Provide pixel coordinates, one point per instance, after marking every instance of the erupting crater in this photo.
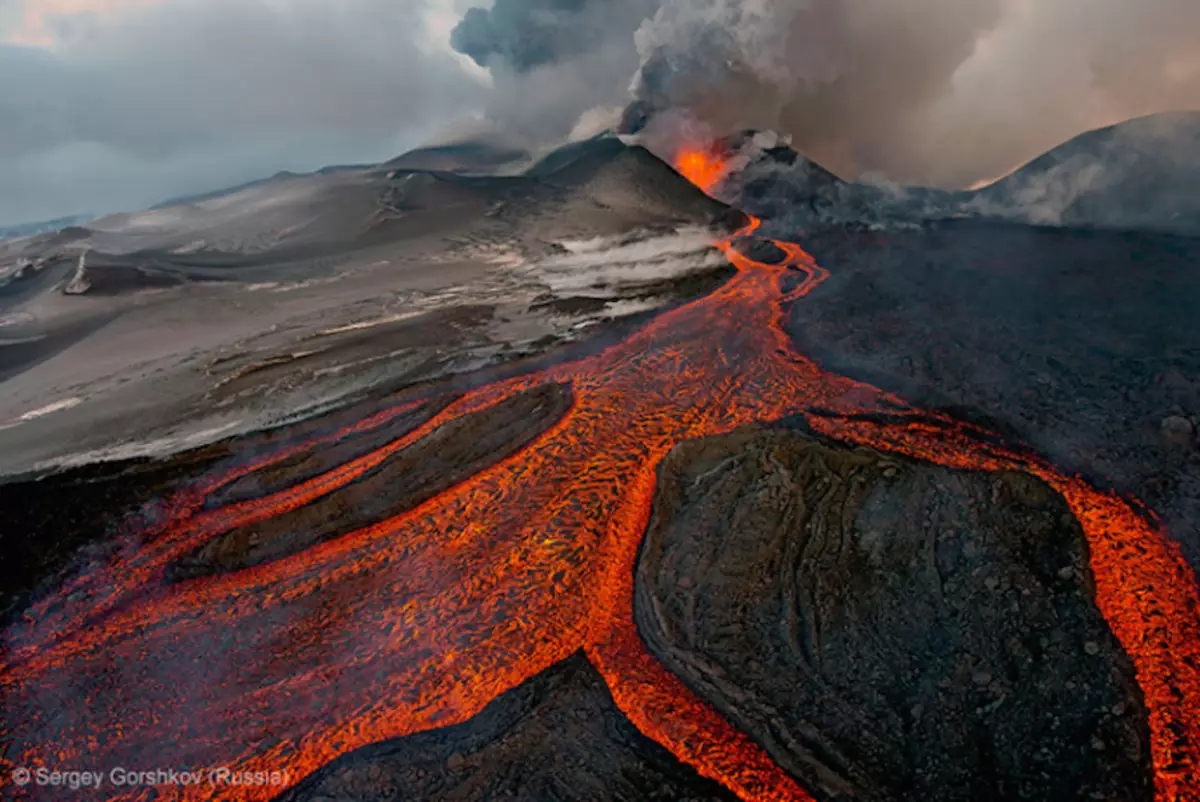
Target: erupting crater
(420, 616)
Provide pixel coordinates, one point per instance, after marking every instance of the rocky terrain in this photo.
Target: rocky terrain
(557, 737)
(1138, 175)
(154, 332)
(886, 629)
(1076, 343)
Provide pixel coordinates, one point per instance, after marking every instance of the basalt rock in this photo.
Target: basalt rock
(310, 463)
(888, 629)
(559, 736)
(448, 455)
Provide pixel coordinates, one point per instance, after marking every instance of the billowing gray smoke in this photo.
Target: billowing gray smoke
(553, 60)
(944, 92)
(850, 80)
(525, 34)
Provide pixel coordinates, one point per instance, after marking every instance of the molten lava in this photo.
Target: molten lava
(704, 168)
(419, 621)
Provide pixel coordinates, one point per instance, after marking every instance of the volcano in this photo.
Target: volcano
(287, 297)
(737, 543)
(1137, 175)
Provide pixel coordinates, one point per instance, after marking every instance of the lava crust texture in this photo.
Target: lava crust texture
(558, 736)
(450, 454)
(890, 629)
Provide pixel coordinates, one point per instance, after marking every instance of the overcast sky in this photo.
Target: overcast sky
(119, 104)
(112, 105)
(942, 92)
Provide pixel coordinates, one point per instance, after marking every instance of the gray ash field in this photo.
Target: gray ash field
(349, 451)
(150, 332)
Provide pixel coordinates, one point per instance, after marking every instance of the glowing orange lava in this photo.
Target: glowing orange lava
(703, 168)
(420, 621)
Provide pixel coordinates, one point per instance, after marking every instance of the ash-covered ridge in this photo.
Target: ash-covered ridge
(1140, 175)
(151, 332)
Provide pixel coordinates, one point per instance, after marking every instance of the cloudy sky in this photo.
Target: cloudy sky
(109, 105)
(119, 104)
(942, 92)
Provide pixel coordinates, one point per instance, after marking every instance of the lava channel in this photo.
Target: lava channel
(419, 621)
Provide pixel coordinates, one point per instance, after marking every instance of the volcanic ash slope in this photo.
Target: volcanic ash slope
(150, 333)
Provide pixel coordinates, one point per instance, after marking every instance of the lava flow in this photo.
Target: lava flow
(703, 168)
(421, 620)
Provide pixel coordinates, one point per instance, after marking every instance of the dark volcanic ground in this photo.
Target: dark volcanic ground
(1081, 344)
(452, 453)
(559, 736)
(888, 629)
(885, 629)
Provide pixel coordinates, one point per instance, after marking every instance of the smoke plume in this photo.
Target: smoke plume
(940, 92)
(554, 63)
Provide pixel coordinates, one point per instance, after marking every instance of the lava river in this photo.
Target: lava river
(419, 621)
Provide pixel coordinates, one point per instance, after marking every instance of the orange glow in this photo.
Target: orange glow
(419, 621)
(39, 17)
(703, 168)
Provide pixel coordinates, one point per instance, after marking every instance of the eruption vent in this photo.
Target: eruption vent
(703, 168)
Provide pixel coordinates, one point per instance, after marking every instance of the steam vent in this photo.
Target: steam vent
(660, 462)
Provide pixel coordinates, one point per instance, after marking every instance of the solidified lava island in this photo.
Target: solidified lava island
(676, 560)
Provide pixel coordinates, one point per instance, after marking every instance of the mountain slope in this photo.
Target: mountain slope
(1140, 174)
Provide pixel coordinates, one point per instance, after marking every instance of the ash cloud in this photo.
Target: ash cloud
(938, 92)
(138, 100)
(556, 65)
(850, 80)
(525, 33)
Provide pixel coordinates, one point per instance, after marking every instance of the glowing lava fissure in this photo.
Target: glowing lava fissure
(703, 167)
(419, 621)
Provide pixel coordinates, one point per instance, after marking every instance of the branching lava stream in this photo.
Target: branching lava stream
(418, 622)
